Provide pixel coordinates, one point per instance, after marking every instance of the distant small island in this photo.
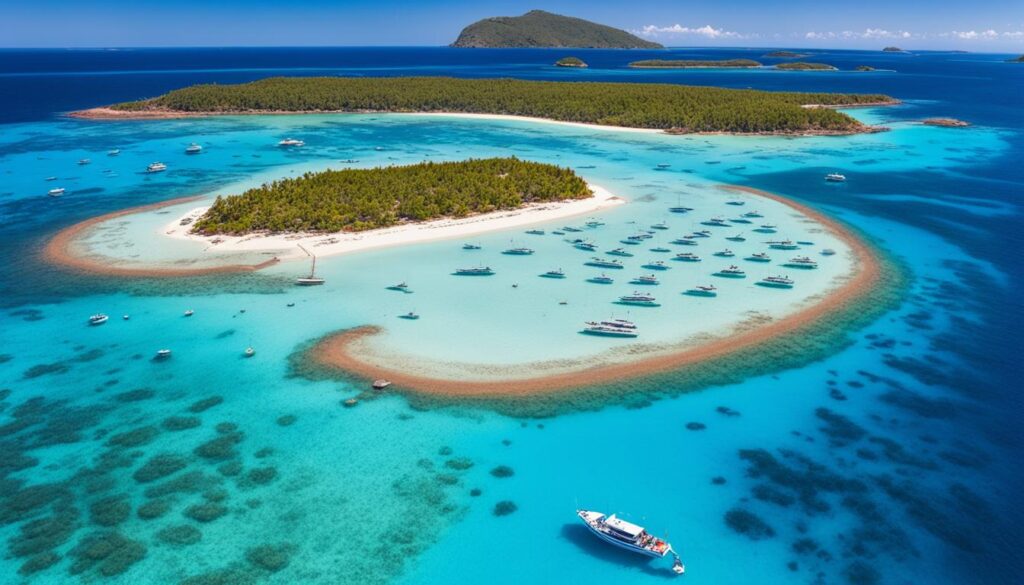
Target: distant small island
(864, 68)
(893, 50)
(802, 66)
(365, 199)
(692, 64)
(538, 28)
(1016, 60)
(786, 54)
(570, 62)
(946, 122)
(679, 109)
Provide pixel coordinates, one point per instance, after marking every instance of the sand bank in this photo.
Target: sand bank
(348, 351)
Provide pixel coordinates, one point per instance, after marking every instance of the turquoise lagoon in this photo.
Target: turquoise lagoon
(849, 469)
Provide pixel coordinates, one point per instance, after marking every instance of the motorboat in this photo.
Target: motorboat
(783, 245)
(162, 354)
(535, 232)
(84, 161)
(656, 265)
(603, 263)
(98, 319)
(776, 282)
(518, 252)
(680, 209)
(593, 328)
(660, 226)
(731, 272)
(193, 149)
(835, 178)
(470, 247)
(625, 535)
(660, 249)
(759, 257)
(727, 253)
(410, 316)
(702, 291)
(619, 252)
(157, 167)
(603, 279)
(737, 238)
(114, 152)
(828, 252)
(647, 280)
(56, 192)
(189, 312)
(587, 246)
(687, 257)
(400, 287)
(479, 271)
(291, 142)
(715, 222)
(641, 299)
(249, 352)
(554, 274)
(803, 262)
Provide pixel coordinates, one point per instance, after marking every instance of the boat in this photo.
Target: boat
(701, 234)
(470, 247)
(400, 287)
(620, 323)
(518, 252)
(312, 279)
(776, 282)
(588, 246)
(731, 272)
(189, 312)
(193, 149)
(641, 299)
(660, 249)
(715, 222)
(803, 262)
(625, 535)
(656, 265)
(571, 229)
(752, 214)
(56, 192)
(594, 223)
(157, 167)
(126, 317)
(649, 280)
(249, 352)
(739, 220)
(162, 354)
(680, 209)
(767, 228)
(759, 257)
(84, 161)
(726, 253)
(381, 384)
(289, 142)
(736, 203)
(603, 263)
(737, 238)
(553, 274)
(660, 226)
(479, 271)
(783, 245)
(687, 257)
(603, 279)
(558, 232)
(98, 319)
(592, 328)
(835, 178)
(685, 241)
(619, 252)
(662, 166)
(114, 152)
(631, 241)
(828, 252)
(410, 316)
(535, 232)
(48, 179)
(702, 291)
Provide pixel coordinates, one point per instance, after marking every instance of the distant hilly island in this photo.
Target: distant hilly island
(539, 29)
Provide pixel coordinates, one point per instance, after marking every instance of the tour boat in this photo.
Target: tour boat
(56, 192)
(603, 279)
(645, 280)
(660, 226)
(602, 263)
(801, 262)
(620, 323)
(189, 312)
(156, 167)
(759, 257)
(626, 535)
(554, 274)
(656, 265)
(606, 331)
(410, 316)
(84, 161)
(470, 247)
(249, 352)
(588, 246)
(312, 279)
(638, 298)
(114, 152)
(660, 249)
(619, 252)
(480, 271)
(783, 245)
(162, 354)
(193, 149)
(291, 142)
(835, 178)
(535, 232)
(685, 241)
(776, 282)
(752, 214)
(518, 252)
(736, 203)
(731, 272)
(828, 252)
(727, 253)
(680, 209)
(737, 238)
(715, 222)
(702, 291)
(98, 319)
(401, 287)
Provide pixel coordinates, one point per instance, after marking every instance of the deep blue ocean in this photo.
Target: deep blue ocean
(895, 458)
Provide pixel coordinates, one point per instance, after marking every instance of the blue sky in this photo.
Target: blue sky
(986, 25)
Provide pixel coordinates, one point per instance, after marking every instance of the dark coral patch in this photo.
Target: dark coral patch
(205, 404)
(504, 508)
(181, 423)
(206, 512)
(503, 471)
(748, 524)
(180, 535)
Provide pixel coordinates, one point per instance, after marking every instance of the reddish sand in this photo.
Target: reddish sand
(58, 250)
(332, 352)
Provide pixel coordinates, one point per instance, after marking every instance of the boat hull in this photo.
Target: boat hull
(625, 546)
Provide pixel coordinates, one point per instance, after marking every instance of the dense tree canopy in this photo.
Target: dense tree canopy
(690, 63)
(801, 66)
(570, 62)
(638, 105)
(362, 199)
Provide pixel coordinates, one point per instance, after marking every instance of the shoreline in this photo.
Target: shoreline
(107, 114)
(59, 249)
(331, 352)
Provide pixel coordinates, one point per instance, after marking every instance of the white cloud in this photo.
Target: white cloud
(868, 33)
(973, 34)
(706, 31)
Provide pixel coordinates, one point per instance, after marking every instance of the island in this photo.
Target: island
(893, 50)
(802, 66)
(945, 122)
(693, 64)
(570, 62)
(863, 68)
(538, 28)
(679, 109)
(1016, 60)
(787, 54)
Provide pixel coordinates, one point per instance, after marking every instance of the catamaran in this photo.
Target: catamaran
(603, 263)
(629, 536)
(687, 257)
(641, 299)
(776, 282)
(731, 272)
(480, 271)
(287, 142)
(312, 279)
(804, 262)
(98, 319)
(157, 167)
(835, 178)
(193, 149)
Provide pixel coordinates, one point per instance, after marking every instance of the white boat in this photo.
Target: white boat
(726, 253)
(470, 247)
(702, 291)
(835, 178)
(650, 279)
(56, 192)
(312, 279)
(193, 149)
(602, 263)
(657, 265)
(114, 152)
(603, 279)
(685, 241)
(715, 222)
(598, 329)
(619, 252)
(51, 179)
(804, 262)
(687, 257)
(156, 167)
(554, 274)
(701, 234)
(189, 313)
(381, 384)
(759, 257)
(481, 271)
(162, 354)
(588, 246)
(249, 352)
(638, 298)
(737, 238)
(518, 252)
(776, 282)
(535, 232)
(660, 249)
(626, 535)
(98, 319)
(289, 142)
(126, 317)
(620, 323)
(84, 161)
(660, 226)
(783, 245)
(731, 272)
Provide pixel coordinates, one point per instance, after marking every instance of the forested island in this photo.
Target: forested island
(893, 50)
(365, 199)
(786, 54)
(538, 28)
(1016, 60)
(863, 68)
(802, 66)
(675, 108)
(692, 64)
(570, 62)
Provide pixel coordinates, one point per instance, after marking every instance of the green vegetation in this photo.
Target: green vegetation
(786, 54)
(1016, 60)
(363, 199)
(863, 68)
(893, 50)
(802, 66)
(691, 63)
(678, 108)
(544, 29)
(570, 62)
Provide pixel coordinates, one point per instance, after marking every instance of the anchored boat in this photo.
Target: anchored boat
(312, 279)
(629, 536)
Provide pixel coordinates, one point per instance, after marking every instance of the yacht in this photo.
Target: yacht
(715, 222)
(193, 149)
(84, 161)
(731, 272)
(518, 252)
(162, 354)
(783, 245)
(480, 271)
(726, 253)
(680, 209)
(752, 214)
(737, 238)
(619, 252)
(470, 247)
(828, 252)
(571, 229)
(249, 352)
(702, 234)
(410, 316)
(835, 178)
(660, 226)
(702, 291)
(312, 279)
(650, 279)
(400, 287)
(638, 298)
(593, 328)
(156, 167)
(603, 279)
(588, 246)
(660, 249)
(554, 274)
(620, 323)
(759, 257)
(535, 232)
(801, 262)
(56, 192)
(656, 265)
(603, 263)
(626, 535)
(98, 319)
(685, 241)
(736, 203)
(114, 152)
(632, 241)
(687, 257)
(776, 282)
(739, 220)
(291, 142)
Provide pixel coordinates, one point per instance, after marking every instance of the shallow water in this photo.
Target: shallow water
(897, 455)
